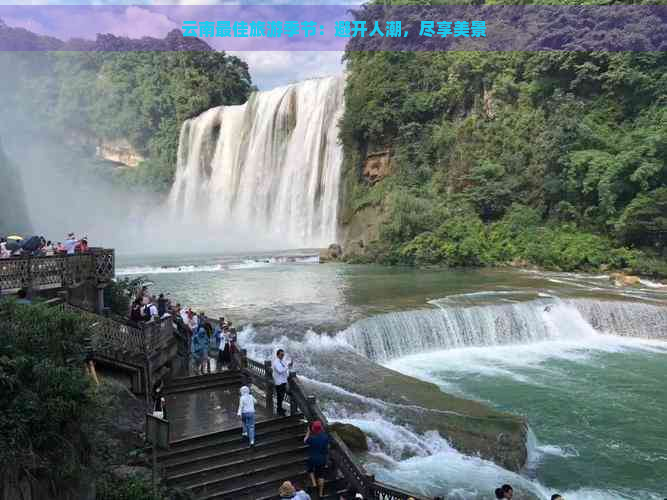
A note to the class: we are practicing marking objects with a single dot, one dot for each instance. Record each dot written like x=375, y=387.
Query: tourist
x=280, y=374
x=161, y=305
x=200, y=350
x=60, y=248
x=135, y=311
x=221, y=340
x=505, y=491
x=287, y=490
x=82, y=245
x=70, y=244
x=247, y=414
x=4, y=253
x=193, y=320
x=150, y=310
x=233, y=349
x=318, y=449
x=556, y=496
x=49, y=249
x=158, y=399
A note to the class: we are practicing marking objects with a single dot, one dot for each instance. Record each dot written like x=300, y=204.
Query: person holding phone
x=280, y=370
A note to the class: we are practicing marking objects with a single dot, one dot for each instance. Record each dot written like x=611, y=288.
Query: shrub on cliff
x=47, y=403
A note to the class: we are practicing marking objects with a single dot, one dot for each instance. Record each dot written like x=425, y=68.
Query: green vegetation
x=55, y=424
x=141, y=98
x=558, y=159
x=47, y=403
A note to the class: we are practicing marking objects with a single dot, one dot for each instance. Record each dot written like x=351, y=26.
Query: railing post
x=293, y=404
x=244, y=359
x=269, y=389
x=312, y=403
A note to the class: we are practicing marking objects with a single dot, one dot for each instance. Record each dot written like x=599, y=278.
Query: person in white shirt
x=70, y=244
x=280, y=368
x=4, y=253
x=247, y=414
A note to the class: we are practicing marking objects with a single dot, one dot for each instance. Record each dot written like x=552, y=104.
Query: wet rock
x=621, y=280
x=334, y=252
x=352, y=436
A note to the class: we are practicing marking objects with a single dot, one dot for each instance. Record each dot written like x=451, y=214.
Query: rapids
x=583, y=361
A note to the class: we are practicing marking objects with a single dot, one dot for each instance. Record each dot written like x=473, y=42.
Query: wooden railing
x=260, y=375
x=58, y=271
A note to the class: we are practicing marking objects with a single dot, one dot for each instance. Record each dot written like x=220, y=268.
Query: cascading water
x=389, y=336
x=267, y=170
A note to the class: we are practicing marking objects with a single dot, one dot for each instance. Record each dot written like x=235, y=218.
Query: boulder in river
x=334, y=252
x=621, y=279
x=352, y=436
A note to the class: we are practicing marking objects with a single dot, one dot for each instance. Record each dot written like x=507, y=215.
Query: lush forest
x=557, y=159
x=130, y=93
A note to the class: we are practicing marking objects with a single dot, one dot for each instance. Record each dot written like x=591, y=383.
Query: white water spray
x=394, y=335
x=267, y=170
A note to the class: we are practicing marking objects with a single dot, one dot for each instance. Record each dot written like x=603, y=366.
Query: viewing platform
x=93, y=270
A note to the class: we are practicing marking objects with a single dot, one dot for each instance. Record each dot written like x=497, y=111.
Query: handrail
x=341, y=456
x=56, y=271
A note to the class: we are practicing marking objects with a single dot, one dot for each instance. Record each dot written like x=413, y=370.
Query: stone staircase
x=224, y=379
x=221, y=465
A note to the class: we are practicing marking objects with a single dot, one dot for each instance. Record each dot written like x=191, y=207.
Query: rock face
x=13, y=208
x=119, y=151
x=352, y=436
x=621, y=279
x=362, y=228
x=334, y=252
x=377, y=166
x=470, y=426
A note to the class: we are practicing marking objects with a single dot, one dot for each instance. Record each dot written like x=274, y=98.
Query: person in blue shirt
x=200, y=343
x=318, y=451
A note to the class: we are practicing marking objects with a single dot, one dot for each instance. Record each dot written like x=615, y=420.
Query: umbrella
x=31, y=244
x=13, y=245
x=14, y=237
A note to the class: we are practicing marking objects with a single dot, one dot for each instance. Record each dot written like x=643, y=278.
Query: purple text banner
x=333, y=28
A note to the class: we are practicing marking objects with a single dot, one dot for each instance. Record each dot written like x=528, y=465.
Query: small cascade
x=629, y=319
x=393, y=335
x=268, y=170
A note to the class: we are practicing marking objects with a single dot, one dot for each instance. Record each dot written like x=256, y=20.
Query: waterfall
x=267, y=171
x=393, y=335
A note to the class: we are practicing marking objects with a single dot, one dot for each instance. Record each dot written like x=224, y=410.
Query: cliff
x=13, y=207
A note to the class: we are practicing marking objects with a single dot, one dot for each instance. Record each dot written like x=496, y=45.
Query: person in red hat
x=318, y=451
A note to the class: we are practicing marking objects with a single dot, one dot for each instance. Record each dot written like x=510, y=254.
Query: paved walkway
x=209, y=410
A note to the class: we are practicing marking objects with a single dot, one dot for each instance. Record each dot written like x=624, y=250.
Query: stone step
x=205, y=385
x=244, y=465
x=197, y=379
x=217, y=441
x=333, y=488
x=246, y=483
x=233, y=450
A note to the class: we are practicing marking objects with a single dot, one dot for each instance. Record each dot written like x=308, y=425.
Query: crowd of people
x=207, y=338
x=39, y=246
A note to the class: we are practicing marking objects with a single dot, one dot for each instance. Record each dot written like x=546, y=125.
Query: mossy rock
x=352, y=436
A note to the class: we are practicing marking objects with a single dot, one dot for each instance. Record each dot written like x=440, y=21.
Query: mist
x=66, y=188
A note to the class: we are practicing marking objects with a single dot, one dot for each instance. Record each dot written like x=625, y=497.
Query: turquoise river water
x=584, y=361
